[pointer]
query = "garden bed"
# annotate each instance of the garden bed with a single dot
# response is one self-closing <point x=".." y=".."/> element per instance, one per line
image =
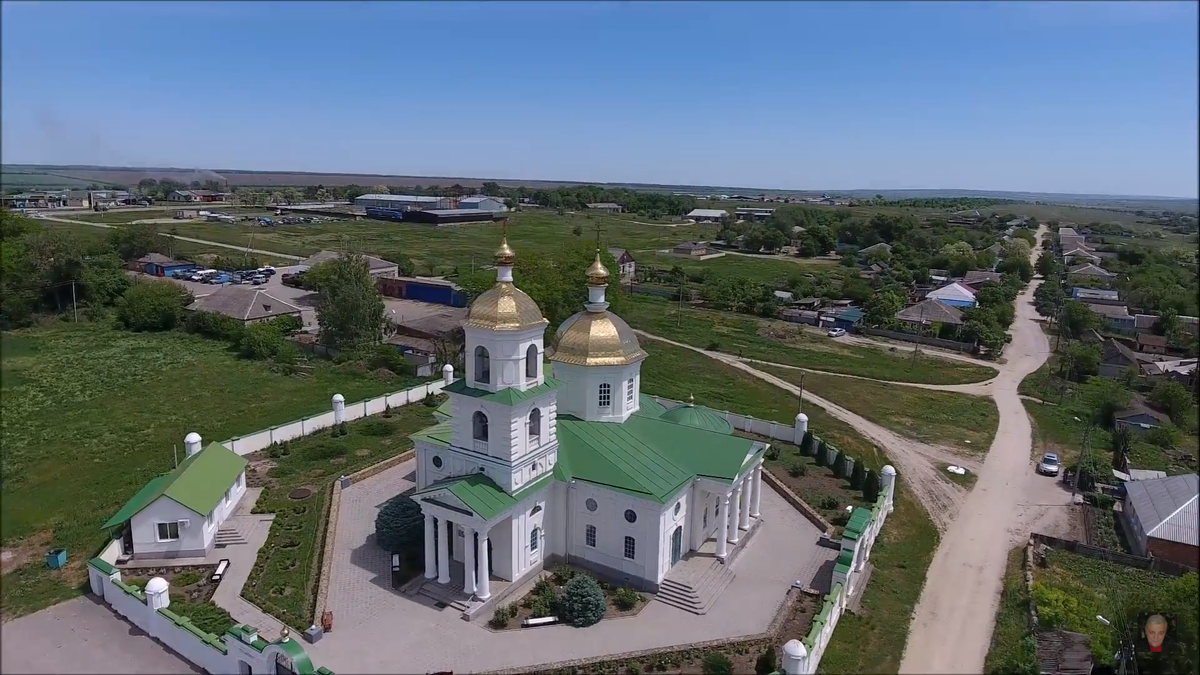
<point x="816" y="485"/>
<point x="542" y="600"/>
<point x="191" y="594"/>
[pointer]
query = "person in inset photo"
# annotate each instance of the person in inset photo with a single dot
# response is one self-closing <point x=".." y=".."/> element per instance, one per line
<point x="1155" y="634"/>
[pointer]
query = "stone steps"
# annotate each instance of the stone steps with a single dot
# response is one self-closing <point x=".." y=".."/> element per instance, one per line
<point x="229" y="535"/>
<point x="698" y="594"/>
<point x="435" y="591"/>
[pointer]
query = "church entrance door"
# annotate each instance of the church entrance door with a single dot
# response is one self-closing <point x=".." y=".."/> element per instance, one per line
<point x="677" y="545"/>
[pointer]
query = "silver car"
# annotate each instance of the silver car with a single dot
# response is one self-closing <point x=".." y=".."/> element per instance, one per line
<point x="1049" y="464"/>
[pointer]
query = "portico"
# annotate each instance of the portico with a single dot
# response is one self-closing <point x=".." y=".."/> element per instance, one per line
<point x="725" y="511"/>
<point x="474" y="552"/>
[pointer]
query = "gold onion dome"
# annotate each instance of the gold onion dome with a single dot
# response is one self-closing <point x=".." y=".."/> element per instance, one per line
<point x="504" y="254"/>
<point x="596" y="339"/>
<point x="597" y="275"/>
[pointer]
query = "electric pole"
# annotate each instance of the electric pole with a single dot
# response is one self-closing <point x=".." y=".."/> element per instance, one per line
<point x="1087" y="432"/>
<point x="74" y="306"/>
<point x="800" y="398"/>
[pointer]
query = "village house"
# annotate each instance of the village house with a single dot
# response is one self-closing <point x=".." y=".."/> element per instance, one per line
<point x="1140" y="418"/>
<point x="244" y="303"/>
<point x="1090" y="271"/>
<point x="708" y="215"/>
<point x="606" y="207"/>
<point x="1161" y="517"/>
<point x="626" y="266"/>
<point x="377" y="267"/>
<point x="691" y="248"/>
<point x="1096" y="296"/>
<point x="1116" y="317"/>
<point x="955" y="295"/>
<point x="928" y="312"/>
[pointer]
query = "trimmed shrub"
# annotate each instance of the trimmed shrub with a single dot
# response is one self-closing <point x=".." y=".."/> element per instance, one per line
<point x="562" y="574"/>
<point x="400" y="526"/>
<point x="716" y="663"/>
<point x="839" y="464"/>
<point x="806" y="443"/>
<point x="765" y="664"/>
<point x="858" y="474"/>
<point x="822" y="453"/>
<point x="375" y="427"/>
<point x="771" y="453"/>
<point x="828" y="502"/>
<point x="152" y="306"/>
<point x="626" y="599"/>
<point x="797" y="468"/>
<point x="582" y="603"/>
<point x="870" y="486"/>
<point x="502" y="615"/>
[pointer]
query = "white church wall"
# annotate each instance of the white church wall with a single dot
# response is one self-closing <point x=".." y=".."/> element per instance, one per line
<point x="506" y="356"/>
<point x="580" y="393"/>
<point x="556" y="519"/>
<point x="669" y="520"/>
<point x="524" y="523"/>
<point x="502" y="538"/>
<point x="611" y="529"/>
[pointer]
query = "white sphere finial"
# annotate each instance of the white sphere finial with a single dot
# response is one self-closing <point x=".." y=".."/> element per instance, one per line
<point x="157" y="585"/>
<point x="801" y="417"/>
<point x="338" y="398"/>
<point x="795" y="648"/>
<point x="192" y="438"/>
<point x="889" y="470"/>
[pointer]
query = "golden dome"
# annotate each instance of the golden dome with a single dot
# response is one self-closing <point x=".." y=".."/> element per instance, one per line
<point x="596" y="339"/>
<point x="504" y="254"/>
<point x="596" y="274"/>
<point x="504" y="307"/>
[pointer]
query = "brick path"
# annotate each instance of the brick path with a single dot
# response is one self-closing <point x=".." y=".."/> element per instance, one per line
<point x="377" y="630"/>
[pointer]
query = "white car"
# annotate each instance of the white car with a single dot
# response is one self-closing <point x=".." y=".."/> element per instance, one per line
<point x="837" y="332"/>
<point x="1049" y="464"/>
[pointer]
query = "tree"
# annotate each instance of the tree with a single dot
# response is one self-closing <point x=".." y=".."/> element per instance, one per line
<point x="1174" y="399"/>
<point x="400" y="526"/>
<point x="716" y="663"/>
<point x="1047" y="263"/>
<point x="1122" y="444"/>
<point x="582" y="603"/>
<point x="349" y="307"/>
<point x="153" y="306"/>
<point x="806" y="443"/>
<point x="1077" y="319"/>
<point x="766" y="663"/>
<point x="135" y="240"/>
<point x="858" y="475"/>
<point x="881" y="308"/>
<point x="822" y="453"/>
<point x="870" y="486"/>
<point x="1105" y="398"/>
<point x="839" y="464"/>
<point x="1015" y="248"/>
<point x="1080" y="361"/>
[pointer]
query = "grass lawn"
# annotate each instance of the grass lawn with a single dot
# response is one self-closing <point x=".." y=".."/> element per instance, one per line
<point x="787" y="343"/>
<point x="817" y="485"/>
<point x="1012" y="649"/>
<point x="769" y="269"/>
<point x="183" y="249"/>
<point x="936" y="417"/>
<point x="283" y="581"/>
<point x="901" y="554"/>
<point x="90" y="414"/>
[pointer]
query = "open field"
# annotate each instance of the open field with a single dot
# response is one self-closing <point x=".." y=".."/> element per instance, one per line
<point x="955" y="420"/>
<point x="905" y="547"/>
<point x="772" y="270"/>
<point x="283" y="579"/>
<point x="85" y="405"/>
<point x="156" y="212"/>
<point x="174" y="247"/>
<point x="788" y="344"/>
<point x="40" y="180"/>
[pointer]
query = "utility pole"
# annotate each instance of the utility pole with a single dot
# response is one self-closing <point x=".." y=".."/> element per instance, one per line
<point x="1087" y="433"/>
<point x="74" y="306"/>
<point x="920" y="334"/>
<point x="800" y="398"/>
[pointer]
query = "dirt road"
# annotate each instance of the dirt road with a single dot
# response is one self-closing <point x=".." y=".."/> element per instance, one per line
<point x="952" y="623"/>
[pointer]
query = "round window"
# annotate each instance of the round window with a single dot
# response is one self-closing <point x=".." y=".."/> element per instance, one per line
<point x="591" y="504"/>
<point x="630" y="516"/>
<point x="437" y="462"/>
<point x="678" y="505"/>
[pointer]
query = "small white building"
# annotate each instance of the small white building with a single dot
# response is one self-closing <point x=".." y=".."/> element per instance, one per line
<point x="177" y="514"/>
<point x="708" y="215"/>
<point x="483" y="203"/>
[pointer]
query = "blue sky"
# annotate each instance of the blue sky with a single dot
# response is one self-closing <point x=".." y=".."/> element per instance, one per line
<point x="1047" y="97"/>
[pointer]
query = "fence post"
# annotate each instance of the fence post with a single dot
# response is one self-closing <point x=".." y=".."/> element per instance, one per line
<point x="339" y="408"/>
<point x="794" y="657"/>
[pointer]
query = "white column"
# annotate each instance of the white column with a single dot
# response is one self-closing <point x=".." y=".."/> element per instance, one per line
<point x="443" y="550"/>
<point x="723" y="535"/>
<point x="731" y="516"/>
<point x="744" y="505"/>
<point x="756" y="490"/>
<point x="483" y="589"/>
<point x="468" y="561"/>
<point x="430" y="547"/>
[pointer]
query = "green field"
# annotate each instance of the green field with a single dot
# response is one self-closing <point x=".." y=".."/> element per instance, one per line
<point x="959" y="421"/>
<point x="175" y="247"/>
<point x="41" y="181"/>
<point x="902" y="552"/>
<point x="788" y="344"/>
<point x="91" y="413"/>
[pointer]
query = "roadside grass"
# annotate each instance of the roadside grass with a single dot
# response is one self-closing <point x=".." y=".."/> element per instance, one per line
<point x="1012" y="649"/>
<point x="905" y="546"/>
<point x="91" y="413"/>
<point x="948" y="418"/>
<point x="780" y="342"/>
<point x="283" y="581"/>
<point x="818" y="486"/>
<point x="967" y="481"/>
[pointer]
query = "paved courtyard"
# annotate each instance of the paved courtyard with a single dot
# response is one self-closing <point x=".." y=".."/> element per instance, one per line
<point x="83" y="636"/>
<point x="378" y="630"/>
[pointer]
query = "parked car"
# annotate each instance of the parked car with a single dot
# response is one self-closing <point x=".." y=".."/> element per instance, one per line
<point x="1048" y="465"/>
<point x="258" y="280"/>
<point x="837" y="332"/>
<point x="266" y="270"/>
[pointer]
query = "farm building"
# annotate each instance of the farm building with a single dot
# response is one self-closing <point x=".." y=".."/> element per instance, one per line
<point x="35" y="200"/>
<point x="607" y="207"/>
<point x="159" y="265"/>
<point x="625" y="263"/>
<point x="437" y="291"/>
<point x="482" y="203"/>
<point x="1161" y="517"/>
<point x="378" y="267"/>
<point x="881" y="247"/>
<point x="1096" y="296"/>
<point x="180" y="513"/>
<point x="403" y="202"/>
<point x="192" y="196"/>
<point x="690" y="248"/>
<point x="754" y="213"/>
<point x="955" y="295"/>
<point x="708" y="215"/>
<point x="244" y="303"/>
<point x="451" y="216"/>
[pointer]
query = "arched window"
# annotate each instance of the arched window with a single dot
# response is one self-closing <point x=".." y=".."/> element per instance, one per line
<point x="483" y="365"/>
<point x="533" y="539"/>
<point x="479" y="424"/>
<point x="605" y="395"/>
<point x="531" y="362"/>
<point x="535" y="424"/>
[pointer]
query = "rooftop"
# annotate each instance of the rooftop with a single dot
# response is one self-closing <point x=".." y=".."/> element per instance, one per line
<point x="708" y="213"/>
<point x="1088" y="269"/>
<point x="244" y="303"/>
<point x="198" y="483"/>
<point x="329" y="256"/>
<point x="1166" y="507"/>
<point x="414" y="199"/>
<point x="1110" y="311"/>
<point x="933" y="311"/>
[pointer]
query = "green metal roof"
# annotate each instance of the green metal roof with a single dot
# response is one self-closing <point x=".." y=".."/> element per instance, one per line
<point x="198" y="483"/>
<point x="438" y="434"/>
<point x="507" y="396"/>
<point x="481" y="495"/>
<point x="648" y="407"/>
<point x="698" y="417"/>
<point x="858" y="522"/>
<point x="442" y="412"/>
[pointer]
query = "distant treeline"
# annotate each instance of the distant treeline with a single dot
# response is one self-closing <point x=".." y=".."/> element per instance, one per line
<point x="953" y="203"/>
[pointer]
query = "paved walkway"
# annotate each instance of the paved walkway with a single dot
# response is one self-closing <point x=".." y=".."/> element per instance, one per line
<point x="83" y="635"/>
<point x="396" y="633"/>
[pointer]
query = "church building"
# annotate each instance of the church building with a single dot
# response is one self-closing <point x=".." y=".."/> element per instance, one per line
<point x="547" y="455"/>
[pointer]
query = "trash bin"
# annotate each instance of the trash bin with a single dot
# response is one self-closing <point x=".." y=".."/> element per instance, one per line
<point x="56" y="558"/>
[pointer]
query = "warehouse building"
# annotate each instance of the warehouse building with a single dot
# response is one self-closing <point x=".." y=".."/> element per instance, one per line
<point x="482" y="203"/>
<point x="437" y="291"/>
<point x="451" y="216"/>
<point x="403" y="202"/>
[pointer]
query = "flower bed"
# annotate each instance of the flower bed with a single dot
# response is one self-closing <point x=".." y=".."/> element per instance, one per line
<point x="544" y="598"/>
<point x="191" y="593"/>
